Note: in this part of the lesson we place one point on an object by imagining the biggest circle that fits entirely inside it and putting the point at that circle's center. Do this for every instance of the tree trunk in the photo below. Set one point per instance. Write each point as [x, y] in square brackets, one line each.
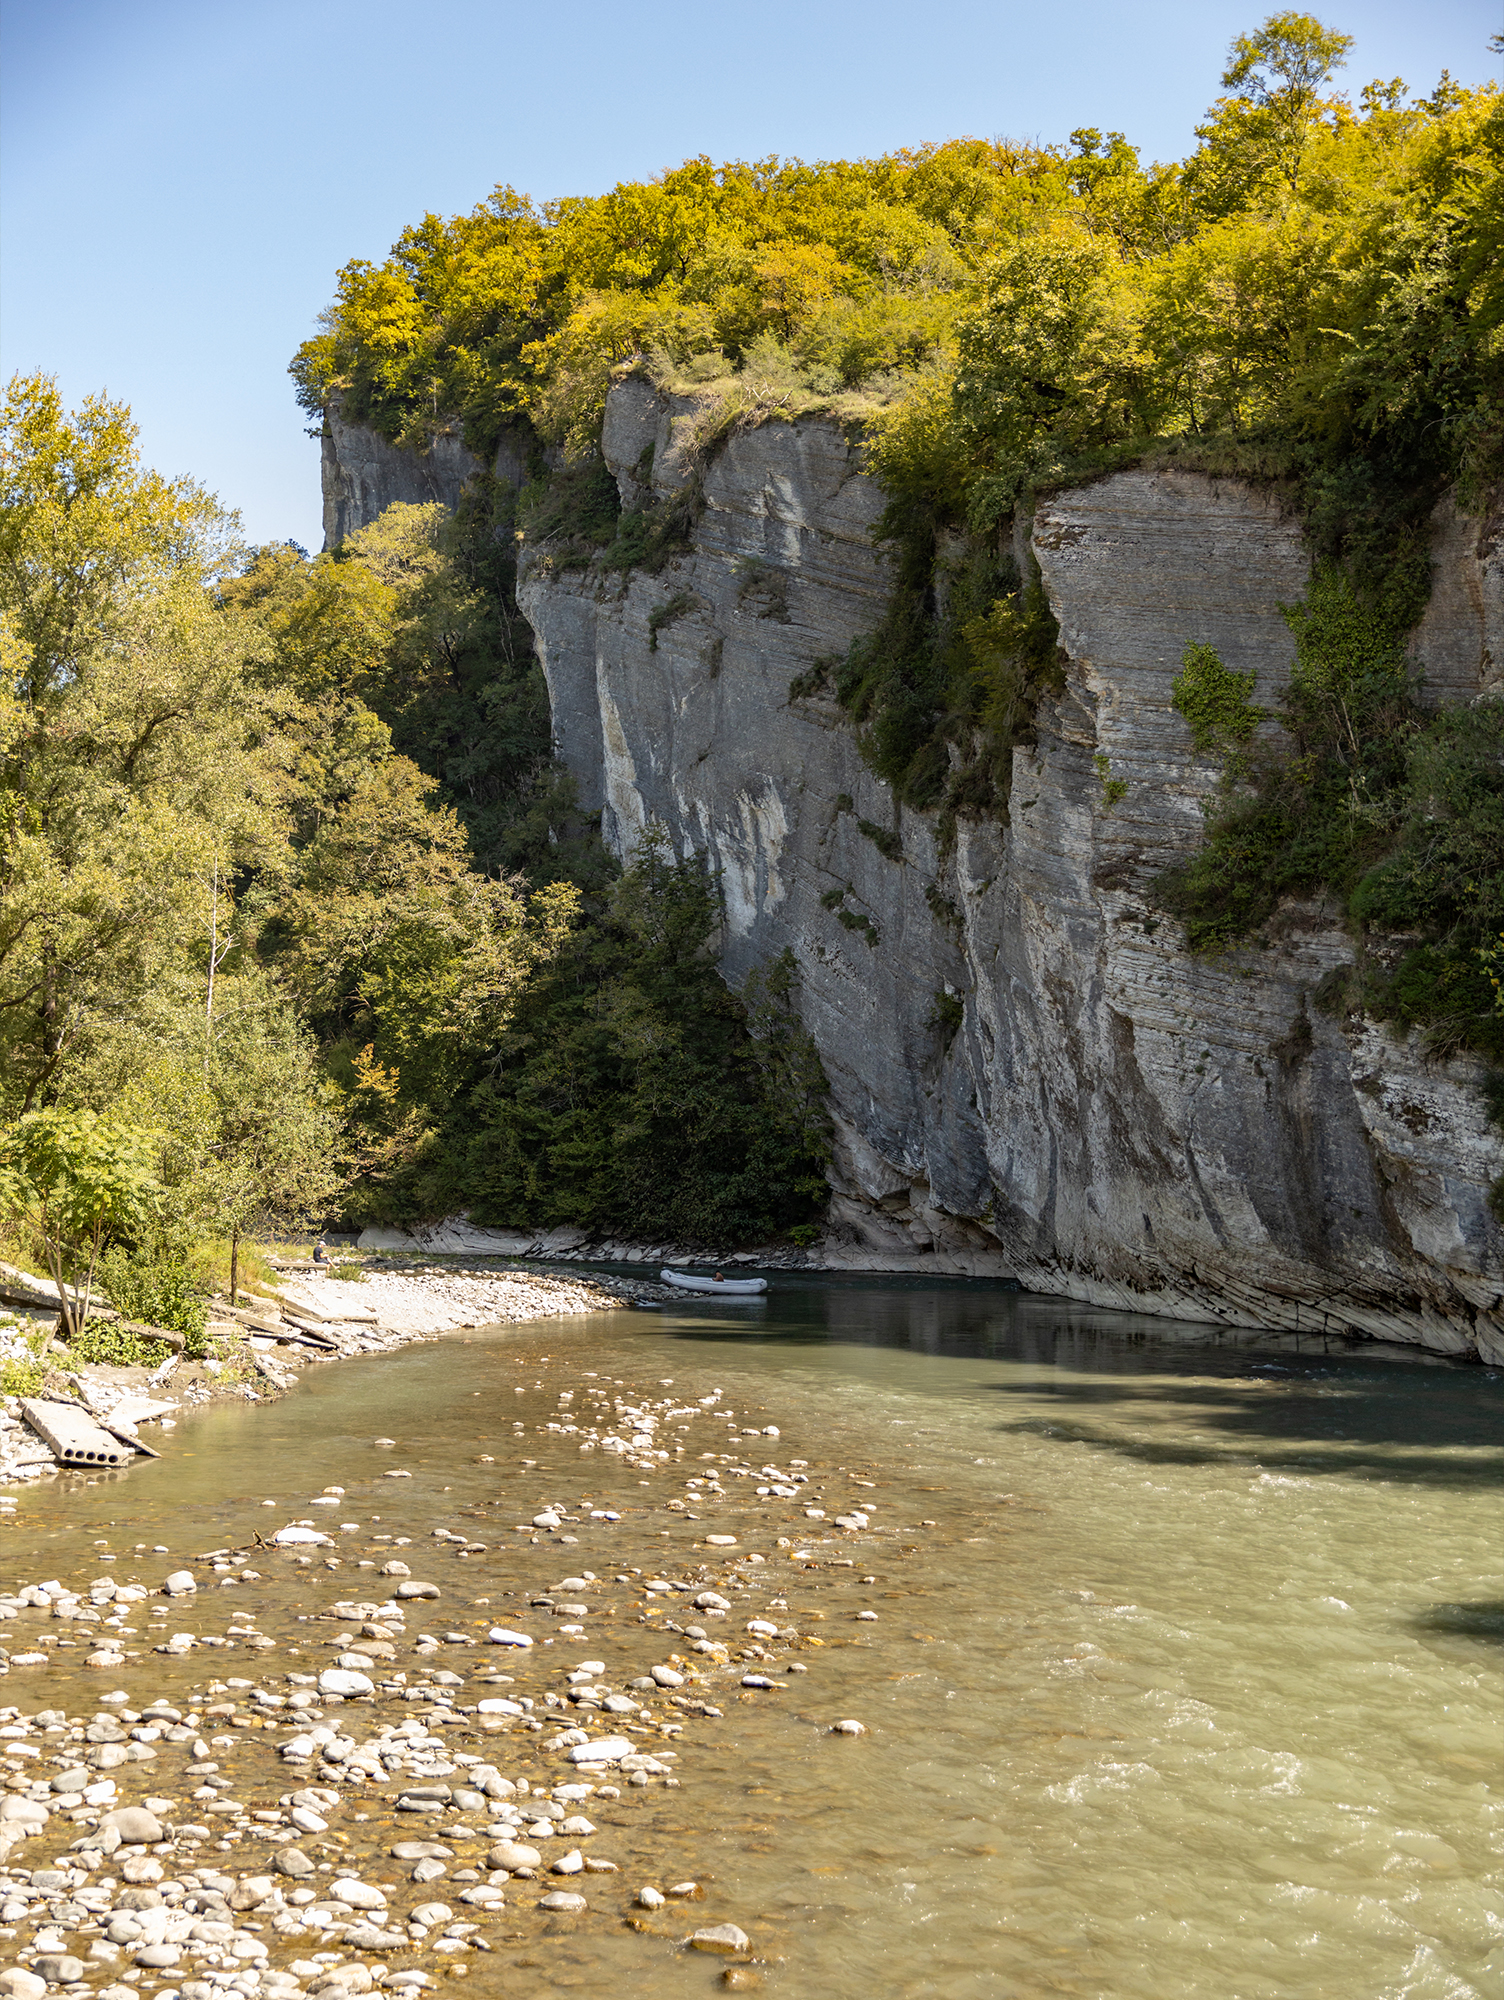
[234, 1263]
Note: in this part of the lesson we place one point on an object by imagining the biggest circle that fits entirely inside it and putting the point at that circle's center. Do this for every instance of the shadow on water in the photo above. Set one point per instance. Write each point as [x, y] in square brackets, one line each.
[1162, 1392]
[1465, 1621]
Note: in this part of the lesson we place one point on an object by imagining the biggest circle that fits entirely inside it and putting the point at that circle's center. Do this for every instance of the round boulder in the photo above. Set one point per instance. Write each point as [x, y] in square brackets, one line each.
[512, 1855]
[59, 1968]
[359, 1895]
[344, 1680]
[721, 1937]
[135, 1825]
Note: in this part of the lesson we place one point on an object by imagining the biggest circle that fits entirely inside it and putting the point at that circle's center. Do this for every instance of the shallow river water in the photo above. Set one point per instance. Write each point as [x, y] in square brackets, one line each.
[1184, 1681]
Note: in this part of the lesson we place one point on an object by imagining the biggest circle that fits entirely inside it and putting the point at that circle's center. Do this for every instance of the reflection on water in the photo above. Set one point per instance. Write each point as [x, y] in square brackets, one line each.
[1192, 1688]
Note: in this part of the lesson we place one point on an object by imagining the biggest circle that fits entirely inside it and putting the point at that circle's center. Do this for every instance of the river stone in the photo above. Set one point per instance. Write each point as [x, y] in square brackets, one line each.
[667, 1677]
[572, 1863]
[428, 1871]
[563, 1899]
[651, 1899]
[341, 1680]
[500, 1636]
[156, 1956]
[721, 1937]
[709, 1600]
[59, 1968]
[16, 1983]
[135, 1825]
[421, 1850]
[412, 1589]
[512, 1855]
[22, 1812]
[252, 1892]
[286, 1538]
[604, 1750]
[359, 1895]
[342, 1979]
[181, 1583]
[293, 1861]
[848, 1728]
[499, 1706]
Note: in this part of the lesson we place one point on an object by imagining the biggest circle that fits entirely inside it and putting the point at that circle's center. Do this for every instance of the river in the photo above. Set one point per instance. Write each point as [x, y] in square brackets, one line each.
[1183, 1683]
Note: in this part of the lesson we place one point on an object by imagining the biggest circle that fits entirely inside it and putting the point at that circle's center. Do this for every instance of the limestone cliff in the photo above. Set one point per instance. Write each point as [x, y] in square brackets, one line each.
[1102, 1115]
[364, 473]
[1030, 1075]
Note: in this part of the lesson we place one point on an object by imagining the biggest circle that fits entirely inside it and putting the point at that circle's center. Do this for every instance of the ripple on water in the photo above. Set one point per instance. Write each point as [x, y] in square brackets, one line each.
[1225, 1729]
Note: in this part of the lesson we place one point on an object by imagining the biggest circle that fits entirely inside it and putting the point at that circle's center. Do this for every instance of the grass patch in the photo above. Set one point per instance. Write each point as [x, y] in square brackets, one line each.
[663, 615]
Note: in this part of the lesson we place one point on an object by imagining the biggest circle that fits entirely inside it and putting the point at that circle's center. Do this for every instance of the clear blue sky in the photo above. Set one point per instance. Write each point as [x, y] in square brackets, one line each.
[183, 178]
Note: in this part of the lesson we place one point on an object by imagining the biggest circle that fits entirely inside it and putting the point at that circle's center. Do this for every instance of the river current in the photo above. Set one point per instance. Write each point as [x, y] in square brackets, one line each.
[1185, 1676]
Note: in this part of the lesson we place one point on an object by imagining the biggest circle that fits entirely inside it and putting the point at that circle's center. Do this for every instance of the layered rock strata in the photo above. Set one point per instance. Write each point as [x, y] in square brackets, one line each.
[1029, 1074]
[364, 473]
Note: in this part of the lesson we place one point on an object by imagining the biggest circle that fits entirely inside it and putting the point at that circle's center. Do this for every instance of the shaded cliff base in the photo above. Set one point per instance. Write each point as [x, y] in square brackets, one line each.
[851, 1248]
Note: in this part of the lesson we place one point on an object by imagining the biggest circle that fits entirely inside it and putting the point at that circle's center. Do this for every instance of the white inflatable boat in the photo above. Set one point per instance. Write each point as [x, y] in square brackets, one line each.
[736, 1287]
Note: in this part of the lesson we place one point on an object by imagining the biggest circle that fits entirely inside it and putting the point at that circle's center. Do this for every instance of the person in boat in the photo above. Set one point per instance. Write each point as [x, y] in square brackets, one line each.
[719, 1279]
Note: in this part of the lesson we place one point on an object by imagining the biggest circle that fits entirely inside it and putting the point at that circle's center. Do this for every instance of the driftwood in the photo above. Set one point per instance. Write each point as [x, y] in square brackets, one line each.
[164, 1334]
[291, 1331]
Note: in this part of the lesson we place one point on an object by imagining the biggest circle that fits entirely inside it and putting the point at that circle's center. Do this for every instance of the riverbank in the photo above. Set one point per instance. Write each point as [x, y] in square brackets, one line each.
[1145, 1637]
[260, 1347]
[399, 1747]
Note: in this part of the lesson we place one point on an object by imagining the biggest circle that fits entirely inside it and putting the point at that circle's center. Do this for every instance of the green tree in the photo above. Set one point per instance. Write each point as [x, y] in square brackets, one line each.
[270, 1146]
[1280, 72]
[76, 1180]
[627, 1093]
[132, 752]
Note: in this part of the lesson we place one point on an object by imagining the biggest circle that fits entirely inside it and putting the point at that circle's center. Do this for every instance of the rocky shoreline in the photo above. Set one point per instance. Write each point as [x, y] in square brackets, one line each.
[312, 1319]
[464, 1769]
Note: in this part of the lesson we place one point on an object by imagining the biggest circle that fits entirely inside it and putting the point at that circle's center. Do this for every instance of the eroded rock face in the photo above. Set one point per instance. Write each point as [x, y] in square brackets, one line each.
[1112, 1119]
[1459, 643]
[365, 473]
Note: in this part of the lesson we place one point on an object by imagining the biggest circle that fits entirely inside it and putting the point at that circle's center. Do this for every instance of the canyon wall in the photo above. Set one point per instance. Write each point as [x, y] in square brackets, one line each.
[1029, 1074]
[364, 473]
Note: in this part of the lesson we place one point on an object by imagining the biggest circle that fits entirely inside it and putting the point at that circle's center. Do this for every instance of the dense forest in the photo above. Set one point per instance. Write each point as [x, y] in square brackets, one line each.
[298, 916]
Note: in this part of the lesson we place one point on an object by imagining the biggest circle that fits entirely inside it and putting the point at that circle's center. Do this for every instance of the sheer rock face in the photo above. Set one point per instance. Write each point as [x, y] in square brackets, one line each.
[364, 473]
[1109, 1119]
[1459, 643]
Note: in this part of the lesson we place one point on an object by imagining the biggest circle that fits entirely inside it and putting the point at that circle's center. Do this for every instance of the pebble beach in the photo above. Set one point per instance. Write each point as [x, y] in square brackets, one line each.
[361, 1748]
